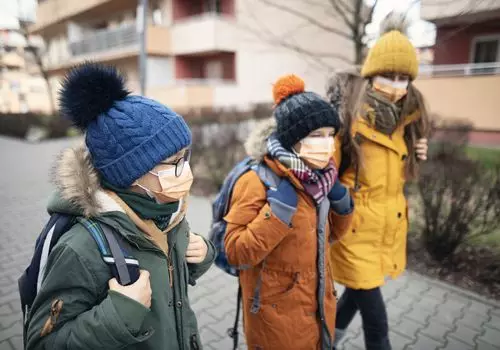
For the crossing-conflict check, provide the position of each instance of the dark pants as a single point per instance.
(373, 314)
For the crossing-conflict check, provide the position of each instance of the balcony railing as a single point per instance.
(104, 40)
(460, 69)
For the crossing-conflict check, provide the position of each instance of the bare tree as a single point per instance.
(39, 62)
(354, 14)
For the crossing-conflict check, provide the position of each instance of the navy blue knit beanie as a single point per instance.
(126, 135)
(298, 112)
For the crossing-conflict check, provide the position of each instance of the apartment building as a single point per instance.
(464, 79)
(200, 53)
(22, 88)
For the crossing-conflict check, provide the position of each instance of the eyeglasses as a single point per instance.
(179, 163)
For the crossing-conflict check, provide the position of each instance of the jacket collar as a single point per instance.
(256, 148)
(77, 182)
(364, 128)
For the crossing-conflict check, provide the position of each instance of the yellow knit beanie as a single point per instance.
(393, 52)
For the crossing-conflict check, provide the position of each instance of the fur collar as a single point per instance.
(77, 182)
(256, 144)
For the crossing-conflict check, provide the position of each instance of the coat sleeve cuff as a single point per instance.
(344, 205)
(130, 311)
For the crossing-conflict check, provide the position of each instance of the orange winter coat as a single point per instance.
(287, 257)
(375, 246)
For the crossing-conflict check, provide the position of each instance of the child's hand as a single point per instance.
(197, 249)
(421, 148)
(139, 291)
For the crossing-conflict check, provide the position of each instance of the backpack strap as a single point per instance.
(271, 181)
(266, 175)
(234, 332)
(114, 251)
(58, 224)
(30, 281)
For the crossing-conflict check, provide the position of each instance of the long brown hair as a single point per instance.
(347, 92)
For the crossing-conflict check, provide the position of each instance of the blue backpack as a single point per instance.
(220, 208)
(113, 248)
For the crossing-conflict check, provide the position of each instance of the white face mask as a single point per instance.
(392, 89)
(317, 151)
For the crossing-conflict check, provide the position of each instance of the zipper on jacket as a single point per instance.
(170, 267)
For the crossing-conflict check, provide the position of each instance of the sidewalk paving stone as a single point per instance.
(424, 314)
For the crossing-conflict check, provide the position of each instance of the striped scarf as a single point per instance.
(317, 183)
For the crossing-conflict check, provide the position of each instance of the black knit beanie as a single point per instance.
(300, 112)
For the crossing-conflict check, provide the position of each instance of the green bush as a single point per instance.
(460, 196)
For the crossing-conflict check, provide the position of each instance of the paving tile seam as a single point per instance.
(419, 329)
(480, 334)
(396, 295)
(454, 323)
(483, 328)
(436, 311)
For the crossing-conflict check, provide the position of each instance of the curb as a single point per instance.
(454, 289)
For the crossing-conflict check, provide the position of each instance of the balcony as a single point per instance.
(106, 40)
(205, 33)
(50, 12)
(466, 92)
(460, 69)
(113, 44)
(459, 11)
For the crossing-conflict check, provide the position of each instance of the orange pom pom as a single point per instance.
(286, 86)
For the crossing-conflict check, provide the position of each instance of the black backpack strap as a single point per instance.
(30, 280)
(234, 332)
(114, 251)
(124, 277)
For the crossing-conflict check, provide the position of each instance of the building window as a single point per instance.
(212, 6)
(214, 70)
(485, 50)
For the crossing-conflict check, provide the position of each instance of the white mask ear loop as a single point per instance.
(148, 192)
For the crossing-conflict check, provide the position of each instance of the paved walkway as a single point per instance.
(423, 314)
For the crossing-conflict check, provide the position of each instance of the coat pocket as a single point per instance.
(277, 294)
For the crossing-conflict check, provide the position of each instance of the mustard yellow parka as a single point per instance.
(375, 245)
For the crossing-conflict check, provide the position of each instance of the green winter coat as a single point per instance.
(86, 315)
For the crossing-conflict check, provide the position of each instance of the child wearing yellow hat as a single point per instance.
(384, 136)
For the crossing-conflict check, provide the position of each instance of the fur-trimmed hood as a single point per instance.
(256, 144)
(78, 184)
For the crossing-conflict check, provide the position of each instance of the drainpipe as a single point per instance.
(142, 19)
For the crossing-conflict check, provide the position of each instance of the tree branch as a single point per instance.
(39, 63)
(265, 35)
(301, 50)
(346, 7)
(370, 14)
(342, 13)
(307, 18)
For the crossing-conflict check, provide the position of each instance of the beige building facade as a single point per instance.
(202, 53)
(22, 87)
(463, 82)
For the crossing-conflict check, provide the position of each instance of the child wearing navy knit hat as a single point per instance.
(133, 176)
